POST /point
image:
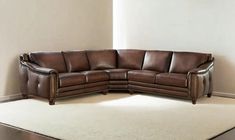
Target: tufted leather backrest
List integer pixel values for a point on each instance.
(53, 60)
(130, 59)
(76, 61)
(182, 62)
(157, 61)
(102, 59)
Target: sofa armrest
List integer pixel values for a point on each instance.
(200, 80)
(203, 68)
(37, 69)
(36, 80)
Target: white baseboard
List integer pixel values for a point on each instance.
(10, 97)
(224, 94)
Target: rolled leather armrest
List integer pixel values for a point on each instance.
(36, 80)
(202, 69)
(200, 80)
(38, 69)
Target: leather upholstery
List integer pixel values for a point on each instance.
(172, 88)
(38, 81)
(137, 83)
(142, 76)
(84, 91)
(76, 61)
(102, 59)
(23, 71)
(157, 61)
(183, 62)
(130, 59)
(71, 79)
(159, 91)
(70, 88)
(117, 74)
(201, 80)
(118, 87)
(118, 84)
(46, 74)
(52, 60)
(172, 79)
(101, 88)
(90, 85)
(96, 76)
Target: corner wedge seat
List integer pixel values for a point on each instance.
(117, 74)
(95, 76)
(172, 79)
(144, 76)
(71, 79)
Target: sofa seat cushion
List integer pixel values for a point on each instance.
(96, 76)
(71, 79)
(117, 74)
(144, 76)
(172, 79)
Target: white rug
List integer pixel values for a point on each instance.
(122, 117)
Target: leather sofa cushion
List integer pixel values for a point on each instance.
(183, 62)
(172, 79)
(52, 60)
(157, 61)
(117, 74)
(71, 79)
(130, 59)
(76, 61)
(102, 59)
(144, 76)
(96, 76)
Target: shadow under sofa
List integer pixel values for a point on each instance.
(53, 75)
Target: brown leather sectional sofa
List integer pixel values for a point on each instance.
(58, 74)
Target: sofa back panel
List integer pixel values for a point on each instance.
(182, 62)
(102, 59)
(76, 61)
(157, 60)
(130, 59)
(53, 60)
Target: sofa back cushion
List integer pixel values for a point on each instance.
(76, 61)
(130, 59)
(157, 61)
(53, 60)
(182, 62)
(102, 59)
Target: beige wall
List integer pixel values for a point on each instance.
(41, 25)
(184, 25)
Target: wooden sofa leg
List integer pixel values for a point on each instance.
(51, 101)
(131, 92)
(25, 96)
(194, 101)
(105, 92)
(209, 95)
